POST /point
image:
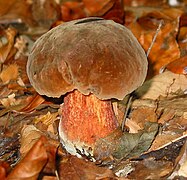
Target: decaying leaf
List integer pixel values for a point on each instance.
(9, 73)
(97, 8)
(143, 152)
(47, 121)
(165, 48)
(125, 145)
(116, 13)
(140, 116)
(151, 169)
(7, 44)
(71, 167)
(29, 136)
(10, 101)
(24, 14)
(163, 85)
(3, 169)
(32, 164)
(160, 163)
(32, 103)
(178, 66)
(72, 10)
(183, 170)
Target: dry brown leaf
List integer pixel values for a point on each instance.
(72, 10)
(9, 73)
(183, 170)
(47, 121)
(32, 103)
(97, 8)
(151, 169)
(32, 164)
(141, 115)
(4, 167)
(162, 140)
(10, 101)
(29, 136)
(165, 84)
(182, 40)
(165, 49)
(144, 3)
(178, 66)
(132, 126)
(71, 167)
(5, 48)
(116, 13)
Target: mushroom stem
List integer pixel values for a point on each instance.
(85, 118)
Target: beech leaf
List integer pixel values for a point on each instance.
(9, 73)
(72, 167)
(31, 165)
(125, 145)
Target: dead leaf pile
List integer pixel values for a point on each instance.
(153, 145)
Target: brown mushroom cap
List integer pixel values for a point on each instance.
(91, 55)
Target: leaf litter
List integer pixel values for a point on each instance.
(154, 143)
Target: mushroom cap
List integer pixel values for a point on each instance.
(91, 55)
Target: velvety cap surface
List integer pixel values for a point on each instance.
(91, 55)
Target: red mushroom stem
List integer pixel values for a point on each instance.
(86, 118)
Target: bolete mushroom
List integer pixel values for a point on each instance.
(89, 61)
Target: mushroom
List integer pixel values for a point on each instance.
(90, 61)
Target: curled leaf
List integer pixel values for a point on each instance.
(32, 164)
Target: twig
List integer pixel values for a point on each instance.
(129, 102)
(155, 36)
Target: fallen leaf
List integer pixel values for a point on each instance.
(116, 13)
(125, 145)
(4, 167)
(9, 73)
(72, 10)
(144, 3)
(10, 101)
(32, 164)
(159, 163)
(97, 8)
(151, 169)
(165, 48)
(71, 167)
(5, 48)
(182, 40)
(33, 17)
(47, 121)
(178, 66)
(33, 103)
(165, 84)
(29, 136)
(141, 115)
